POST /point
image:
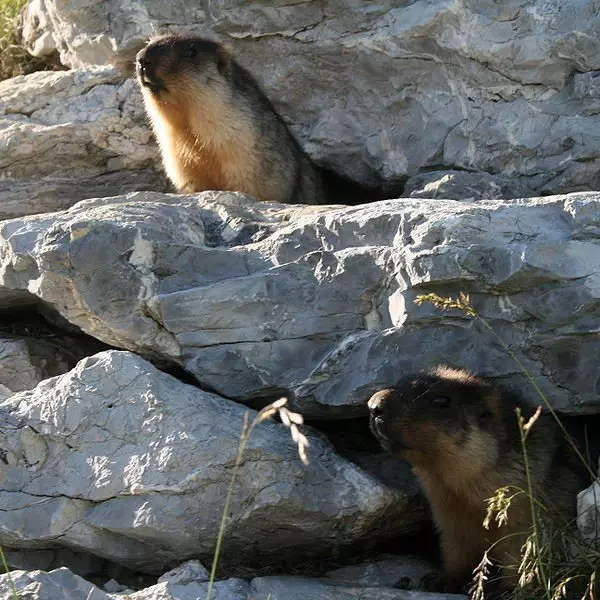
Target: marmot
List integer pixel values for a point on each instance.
(461, 436)
(218, 131)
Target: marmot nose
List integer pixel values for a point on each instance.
(377, 401)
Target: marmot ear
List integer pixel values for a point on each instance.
(224, 56)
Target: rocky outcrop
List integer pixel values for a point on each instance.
(474, 110)
(254, 300)
(382, 91)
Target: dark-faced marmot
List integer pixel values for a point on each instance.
(218, 131)
(461, 436)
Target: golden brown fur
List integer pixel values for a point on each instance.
(462, 439)
(218, 131)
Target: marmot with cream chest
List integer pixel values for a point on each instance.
(218, 131)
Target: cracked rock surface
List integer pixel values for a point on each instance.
(123, 461)
(484, 115)
(382, 90)
(70, 135)
(253, 300)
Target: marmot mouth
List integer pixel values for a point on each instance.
(377, 429)
(393, 446)
(149, 80)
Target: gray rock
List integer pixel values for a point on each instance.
(406, 572)
(70, 135)
(39, 585)
(230, 589)
(17, 372)
(64, 585)
(252, 299)
(112, 586)
(192, 570)
(80, 563)
(121, 460)
(302, 588)
(466, 186)
(588, 513)
(385, 90)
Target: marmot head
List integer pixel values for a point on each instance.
(174, 67)
(444, 419)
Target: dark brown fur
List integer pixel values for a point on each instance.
(218, 131)
(461, 436)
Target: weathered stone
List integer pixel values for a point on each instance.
(124, 461)
(302, 588)
(32, 350)
(406, 572)
(70, 135)
(466, 186)
(17, 372)
(192, 570)
(384, 90)
(64, 585)
(230, 589)
(39, 585)
(588, 513)
(254, 299)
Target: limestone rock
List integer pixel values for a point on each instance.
(64, 585)
(302, 588)
(39, 585)
(462, 185)
(254, 299)
(192, 570)
(230, 589)
(121, 460)
(406, 572)
(588, 513)
(382, 90)
(70, 135)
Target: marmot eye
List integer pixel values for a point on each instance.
(189, 52)
(440, 400)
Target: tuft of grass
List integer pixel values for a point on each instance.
(292, 421)
(13, 589)
(555, 563)
(14, 58)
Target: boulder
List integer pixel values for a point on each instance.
(123, 461)
(254, 300)
(70, 135)
(40, 585)
(381, 91)
(61, 583)
(588, 513)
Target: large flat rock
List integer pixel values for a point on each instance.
(255, 299)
